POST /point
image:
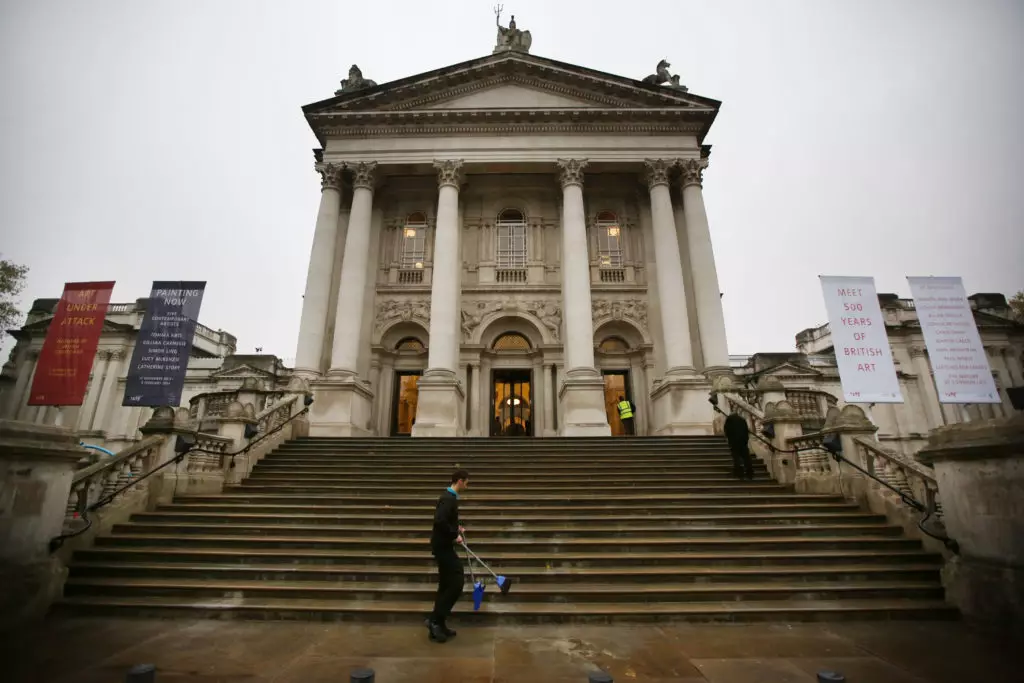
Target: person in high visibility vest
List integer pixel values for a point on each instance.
(626, 412)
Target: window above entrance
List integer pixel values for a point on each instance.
(414, 241)
(511, 341)
(613, 345)
(609, 240)
(511, 229)
(410, 344)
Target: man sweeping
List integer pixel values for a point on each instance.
(450, 576)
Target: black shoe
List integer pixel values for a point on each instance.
(437, 632)
(450, 633)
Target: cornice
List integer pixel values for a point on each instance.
(499, 129)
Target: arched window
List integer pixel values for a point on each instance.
(609, 240)
(614, 345)
(511, 341)
(511, 239)
(409, 344)
(414, 241)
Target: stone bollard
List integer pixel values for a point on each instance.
(141, 673)
(362, 676)
(599, 677)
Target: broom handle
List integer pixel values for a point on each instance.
(477, 558)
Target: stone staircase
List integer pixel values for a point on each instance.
(593, 530)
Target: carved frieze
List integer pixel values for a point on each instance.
(618, 309)
(391, 310)
(547, 311)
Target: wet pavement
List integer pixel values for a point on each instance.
(102, 650)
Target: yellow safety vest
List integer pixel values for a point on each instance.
(625, 411)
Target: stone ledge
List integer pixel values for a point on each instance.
(980, 440)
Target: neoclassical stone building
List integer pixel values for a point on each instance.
(507, 246)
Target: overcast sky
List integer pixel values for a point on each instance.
(144, 140)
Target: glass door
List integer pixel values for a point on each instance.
(513, 403)
(403, 403)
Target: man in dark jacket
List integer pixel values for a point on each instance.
(450, 575)
(737, 434)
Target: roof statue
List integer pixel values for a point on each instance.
(663, 76)
(511, 38)
(355, 81)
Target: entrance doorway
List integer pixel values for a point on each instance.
(403, 402)
(512, 413)
(616, 384)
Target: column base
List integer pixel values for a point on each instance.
(439, 405)
(581, 404)
(341, 407)
(681, 407)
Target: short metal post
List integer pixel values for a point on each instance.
(362, 676)
(599, 677)
(141, 673)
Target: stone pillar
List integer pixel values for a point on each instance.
(582, 391)
(707, 295)
(783, 418)
(103, 406)
(24, 410)
(474, 397)
(441, 392)
(343, 402)
(486, 397)
(979, 470)
(547, 386)
(1014, 367)
(315, 301)
(539, 398)
(19, 395)
(680, 398)
(932, 408)
(377, 393)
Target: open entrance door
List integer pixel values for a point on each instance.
(512, 395)
(403, 403)
(616, 385)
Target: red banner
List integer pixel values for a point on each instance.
(62, 373)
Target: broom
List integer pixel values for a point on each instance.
(504, 582)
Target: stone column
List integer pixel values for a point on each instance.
(99, 370)
(441, 392)
(547, 386)
(103, 406)
(377, 393)
(484, 400)
(680, 398)
(1014, 367)
(19, 394)
(343, 403)
(315, 301)
(582, 392)
(539, 398)
(932, 408)
(708, 297)
(474, 415)
(23, 410)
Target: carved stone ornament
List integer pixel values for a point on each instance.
(917, 351)
(355, 81)
(511, 38)
(658, 171)
(619, 309)
(662, 76)
(547, 311)
(330, 176)
(363, 174)
(391, 310)
(570, 171)
(693, 171)
(449, 172)
(474, 313)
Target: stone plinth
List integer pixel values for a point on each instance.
(681, 406)
(979, 467)
(342, 407)
(581, 400)
(439, 405)
(37, 464)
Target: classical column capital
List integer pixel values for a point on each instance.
(117, 354)
(658, 171)
(693, 171)
(449, 172)
(363, 174)
(918, 352)
(330, 176)
(103, 354)
(570, 171)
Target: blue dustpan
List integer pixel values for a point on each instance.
(478, 595)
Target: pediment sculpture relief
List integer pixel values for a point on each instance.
(617, 309)
(390, 310)
(548, 312)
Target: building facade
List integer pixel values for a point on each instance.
(491, 248)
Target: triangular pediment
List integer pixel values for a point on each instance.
(784, 370)
(241, 372)
(513, 96)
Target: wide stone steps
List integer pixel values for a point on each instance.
(593, 530)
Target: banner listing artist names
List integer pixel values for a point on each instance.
(961, 369)
(863, 355)
(65, 361)
(160, 359)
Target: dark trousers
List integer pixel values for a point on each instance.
(450, 581)
(627, 424)
(741, 464)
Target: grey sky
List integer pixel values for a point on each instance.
(163, 140)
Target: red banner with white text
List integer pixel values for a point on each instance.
(62, 373)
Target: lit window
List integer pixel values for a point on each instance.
(609, 240)
(511, 239)
(614, 345)
(410, 344)
(511, 341)
(414, 241)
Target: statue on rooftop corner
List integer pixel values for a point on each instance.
(355, 81)
(511, 38)
(663, 76)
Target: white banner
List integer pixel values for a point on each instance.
(961, 369)
(861, 345)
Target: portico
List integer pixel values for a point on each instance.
(510, 224)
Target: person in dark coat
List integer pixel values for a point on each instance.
(451, 577)
(738, 435)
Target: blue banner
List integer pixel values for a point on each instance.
(160, 359)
